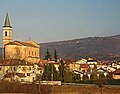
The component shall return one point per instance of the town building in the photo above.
(21, 72)
(116, 74)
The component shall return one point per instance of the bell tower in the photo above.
(7, 34)
(7, 31)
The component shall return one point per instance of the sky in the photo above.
(56, 20)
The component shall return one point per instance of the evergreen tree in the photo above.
(47, 73)
(48, 55)
(62, 70)
(55, 74)
(55, 55)
(50, 73)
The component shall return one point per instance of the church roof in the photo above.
(26, 44)
(19, 43)
(7, 21)
(12, 43)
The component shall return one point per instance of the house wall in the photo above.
(116, 76)
(74, 66)
(30, 72)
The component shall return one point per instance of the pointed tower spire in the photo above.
(7, 21)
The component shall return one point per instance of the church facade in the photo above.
(18, 50)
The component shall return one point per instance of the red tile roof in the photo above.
(117, 72)
(67, 61)
(26, 44)
(9, 75)
(20, 74)
(84, 65)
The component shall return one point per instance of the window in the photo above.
(5, 33)
(30, 68)
(0, 68)
(29, 52)
(28, 74)
(14, 68)
(24, 68)
(33, 72)
(32, 52)
(22, 80)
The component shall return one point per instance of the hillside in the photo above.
(102, 48)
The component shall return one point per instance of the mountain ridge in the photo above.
(102, 48)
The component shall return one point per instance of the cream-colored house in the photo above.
(74, 66)
(116, 74)
(28, 51)
(21, 72)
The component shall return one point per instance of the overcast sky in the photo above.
(55, 20)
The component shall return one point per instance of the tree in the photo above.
(93, 76)
(68, 77)
(76, 77)
(48, 55)
(62, 70)
(55, 55)
(85, 77)
(55, 74)
(101, 76)
(50, 73)
(47, 73)
(109, 75)
(101, 82)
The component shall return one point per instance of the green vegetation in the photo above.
(62, 70)
(48, 56)
(50, 73)
(55, 55)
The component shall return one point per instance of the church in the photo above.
(18, 50)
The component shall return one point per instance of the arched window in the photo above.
(5, 33)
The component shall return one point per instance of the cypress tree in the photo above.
(48, 55)
(55, 55)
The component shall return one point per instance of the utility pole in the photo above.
(52, 72)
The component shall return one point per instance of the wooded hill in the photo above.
(101, 48)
